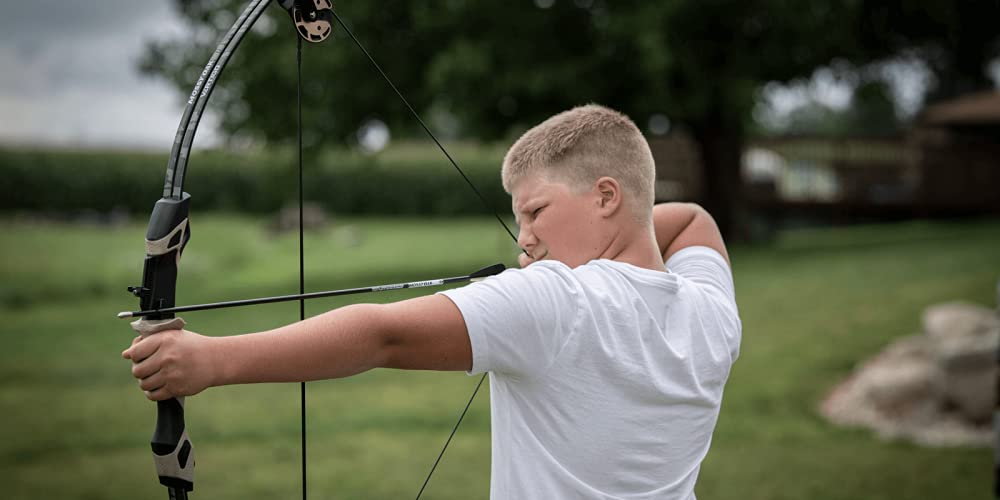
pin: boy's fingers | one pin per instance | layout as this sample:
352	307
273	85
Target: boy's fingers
127	353
152	382
524	260
145	368
145	347
157	395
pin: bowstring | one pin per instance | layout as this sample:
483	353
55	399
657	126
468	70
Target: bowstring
467	181
448	441
425	127
302	272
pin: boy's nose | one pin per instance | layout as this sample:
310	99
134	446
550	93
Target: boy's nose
526	239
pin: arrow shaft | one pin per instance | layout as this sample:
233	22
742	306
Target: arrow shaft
299	296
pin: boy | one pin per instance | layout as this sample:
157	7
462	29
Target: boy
606	368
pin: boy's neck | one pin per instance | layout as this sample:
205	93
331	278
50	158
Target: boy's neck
636	245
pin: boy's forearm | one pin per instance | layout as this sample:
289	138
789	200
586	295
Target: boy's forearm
681	225
670	220
335	344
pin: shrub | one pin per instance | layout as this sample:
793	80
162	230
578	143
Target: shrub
408	179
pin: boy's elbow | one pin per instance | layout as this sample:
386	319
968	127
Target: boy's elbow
700	229
697	210
371	329
426	333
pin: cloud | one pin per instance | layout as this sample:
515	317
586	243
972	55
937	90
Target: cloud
68	75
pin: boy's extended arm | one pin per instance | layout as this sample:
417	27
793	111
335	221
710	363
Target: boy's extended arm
426	333
681	225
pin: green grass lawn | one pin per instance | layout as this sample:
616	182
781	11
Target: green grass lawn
814	303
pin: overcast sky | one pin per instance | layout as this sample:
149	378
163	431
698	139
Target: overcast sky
68	77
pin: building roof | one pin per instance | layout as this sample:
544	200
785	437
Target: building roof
981	108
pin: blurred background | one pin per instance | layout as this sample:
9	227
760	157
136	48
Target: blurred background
848	150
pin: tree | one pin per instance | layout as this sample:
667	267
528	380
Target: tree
494	68
955	39
871	112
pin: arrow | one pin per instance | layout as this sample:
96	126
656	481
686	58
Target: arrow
476	276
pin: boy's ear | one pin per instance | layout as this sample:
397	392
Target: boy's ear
610	195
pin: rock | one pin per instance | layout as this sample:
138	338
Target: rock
934	389
964	339
901	387
972	392
967	353
970	374
900	382
959	319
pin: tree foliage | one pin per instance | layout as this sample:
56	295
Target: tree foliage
489	69
871	112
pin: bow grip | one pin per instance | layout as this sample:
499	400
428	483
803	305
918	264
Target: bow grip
173	453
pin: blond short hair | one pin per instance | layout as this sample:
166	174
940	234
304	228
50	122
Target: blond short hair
582	145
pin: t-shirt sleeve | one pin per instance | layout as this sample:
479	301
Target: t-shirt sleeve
710	273
520	319
705	267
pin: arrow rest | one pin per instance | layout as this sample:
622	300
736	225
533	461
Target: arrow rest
313	18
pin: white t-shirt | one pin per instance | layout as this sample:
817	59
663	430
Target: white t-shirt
606	379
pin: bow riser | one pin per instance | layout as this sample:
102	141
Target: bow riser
166	236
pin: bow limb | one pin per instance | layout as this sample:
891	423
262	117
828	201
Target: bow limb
173	185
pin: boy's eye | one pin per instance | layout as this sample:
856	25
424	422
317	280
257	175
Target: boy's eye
534	213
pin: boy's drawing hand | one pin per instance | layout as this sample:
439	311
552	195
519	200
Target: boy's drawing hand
525	259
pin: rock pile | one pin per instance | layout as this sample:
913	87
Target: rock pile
936	388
